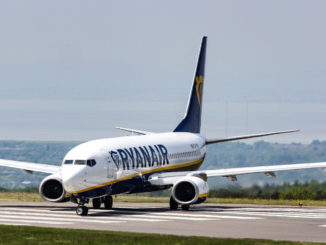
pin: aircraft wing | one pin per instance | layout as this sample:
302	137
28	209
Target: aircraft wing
169	178
30	167
219	140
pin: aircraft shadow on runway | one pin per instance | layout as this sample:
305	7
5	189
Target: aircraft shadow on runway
116	211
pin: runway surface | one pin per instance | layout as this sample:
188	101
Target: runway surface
236	221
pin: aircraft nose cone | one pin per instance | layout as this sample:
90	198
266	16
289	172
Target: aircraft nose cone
72	177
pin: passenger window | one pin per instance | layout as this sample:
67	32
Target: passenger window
68	162
80	162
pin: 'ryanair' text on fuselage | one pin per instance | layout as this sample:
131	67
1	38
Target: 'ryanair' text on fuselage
140	157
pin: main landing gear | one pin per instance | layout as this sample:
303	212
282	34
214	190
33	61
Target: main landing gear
82	210
174	205
107	200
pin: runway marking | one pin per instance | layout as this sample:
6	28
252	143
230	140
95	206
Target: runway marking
38	210
289	213
36	221
131	217
172	218
57	219
65	216
199	216
72	217
201	220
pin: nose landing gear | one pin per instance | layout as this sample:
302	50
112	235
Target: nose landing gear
82	210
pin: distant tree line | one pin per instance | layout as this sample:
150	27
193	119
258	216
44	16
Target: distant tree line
310	190
30	189
224	155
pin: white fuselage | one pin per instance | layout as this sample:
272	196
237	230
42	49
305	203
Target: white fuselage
107	162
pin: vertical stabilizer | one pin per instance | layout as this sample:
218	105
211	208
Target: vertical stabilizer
192	119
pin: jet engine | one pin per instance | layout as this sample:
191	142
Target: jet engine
51	189
190	190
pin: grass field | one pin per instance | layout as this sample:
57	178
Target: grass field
20	196
36	235
35	197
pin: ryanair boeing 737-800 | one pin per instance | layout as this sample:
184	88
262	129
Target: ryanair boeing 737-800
144	162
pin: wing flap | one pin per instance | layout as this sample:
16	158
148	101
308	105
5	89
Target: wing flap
30	167
262	169
169	178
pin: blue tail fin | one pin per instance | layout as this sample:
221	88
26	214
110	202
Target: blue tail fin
192	119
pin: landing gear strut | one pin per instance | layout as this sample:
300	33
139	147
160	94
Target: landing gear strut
173	204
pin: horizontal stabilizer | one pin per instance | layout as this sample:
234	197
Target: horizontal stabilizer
133	131
213	141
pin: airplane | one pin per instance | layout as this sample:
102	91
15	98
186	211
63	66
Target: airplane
145	162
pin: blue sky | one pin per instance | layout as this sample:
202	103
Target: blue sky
75	69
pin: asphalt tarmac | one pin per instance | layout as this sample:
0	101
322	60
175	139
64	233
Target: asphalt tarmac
213	220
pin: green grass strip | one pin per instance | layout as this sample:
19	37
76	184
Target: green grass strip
38	235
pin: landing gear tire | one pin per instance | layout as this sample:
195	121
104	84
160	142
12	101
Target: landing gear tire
173	204
96	203
81	210
185	207
108	202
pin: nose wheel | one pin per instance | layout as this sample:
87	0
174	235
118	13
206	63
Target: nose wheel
81	210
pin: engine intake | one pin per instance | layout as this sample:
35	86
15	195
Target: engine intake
51	189
190	190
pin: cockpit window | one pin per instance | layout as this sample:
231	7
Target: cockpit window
68	161
91	162
80	162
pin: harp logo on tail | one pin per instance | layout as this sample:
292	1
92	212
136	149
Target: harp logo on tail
199	87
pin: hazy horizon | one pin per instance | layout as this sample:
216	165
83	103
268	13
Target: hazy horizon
75	70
